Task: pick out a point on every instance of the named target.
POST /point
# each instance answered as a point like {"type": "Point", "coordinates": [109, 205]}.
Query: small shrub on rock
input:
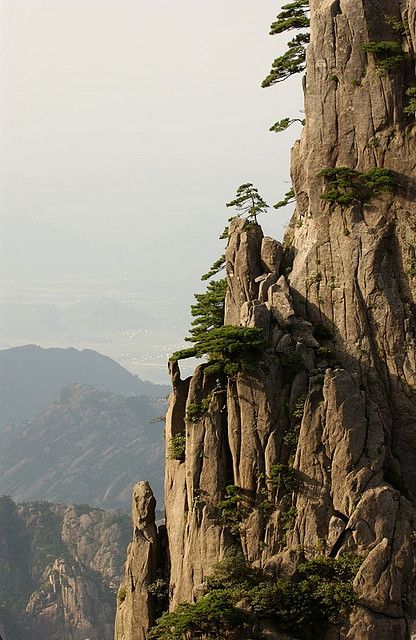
{"type": "Point", "coordinates": [212, 616]}
{"type": "Point", "coordinates": [292, 363]}
{"type": "Point", "coordinates": [320, 591]}
{"type": "Point", "coordinates": [410, 107]}
{"type": "Point", "coordinates": [176, 449]}
{"type": "Point", "coordinates": [282, 477]}
{"type": "Point", "coordinates": [388, 53]}
{"type": "Point", "coordinates": [232, 513]}
{"type": "Point", "coordinates": [121, 595]}
{"type": "Point", "coordinates": [197, 410]}
{"type": "Point", "coordinates": [345, 186]}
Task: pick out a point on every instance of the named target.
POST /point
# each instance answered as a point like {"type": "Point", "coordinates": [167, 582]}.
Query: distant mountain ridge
{"type": "Point", "coordinates": [87, 446]}
{"type": "Point", "coordinates": [31, 377]}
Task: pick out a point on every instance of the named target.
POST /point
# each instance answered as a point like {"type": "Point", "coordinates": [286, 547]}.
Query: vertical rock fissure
{"type": "Point", "coordinates": [337, 475]}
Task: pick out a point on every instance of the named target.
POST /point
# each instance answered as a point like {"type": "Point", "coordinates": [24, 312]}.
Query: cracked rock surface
{"type": "Point", "coordinates": [333, 394]}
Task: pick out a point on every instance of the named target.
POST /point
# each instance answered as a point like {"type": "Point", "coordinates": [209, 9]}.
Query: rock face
{"type": "Point", "coordinates": [136, 603]}
{"type": "Point", "coordinates": [333, 395]}
{"type": "Point", "coordinates": [60, 569]}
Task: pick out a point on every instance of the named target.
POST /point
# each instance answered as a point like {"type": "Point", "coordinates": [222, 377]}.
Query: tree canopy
{"type": "Point", "coordinates": [293, 16]}
{"type": "Point", "coordinates": [248, 202]}
{"type": "Point", "coordinates": [208, 309]}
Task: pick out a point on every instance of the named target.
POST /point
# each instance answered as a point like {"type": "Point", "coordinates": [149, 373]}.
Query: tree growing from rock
{"type": "Point", "coordinates": [294, 16]}
{"type": "Point", "coordinates": [247, 202]}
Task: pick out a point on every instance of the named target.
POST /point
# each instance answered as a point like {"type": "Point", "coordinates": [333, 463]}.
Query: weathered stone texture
{"type": "Point", "coordinates": [135, 611]}
{"type": "Point", "coordinates": [345, 418]}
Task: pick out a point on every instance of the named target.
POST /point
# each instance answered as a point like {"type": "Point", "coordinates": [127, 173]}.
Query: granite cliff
{"type": "Point", "coordinates": [60, 567]}
{"type": "Point", "coordinates": [306, 462]}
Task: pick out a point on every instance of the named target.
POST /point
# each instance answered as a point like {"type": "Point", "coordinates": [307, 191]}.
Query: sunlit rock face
{"type": "Point", "coordinates": [333, 392]}
{"type": "Point", "coordinates": [61, 567]}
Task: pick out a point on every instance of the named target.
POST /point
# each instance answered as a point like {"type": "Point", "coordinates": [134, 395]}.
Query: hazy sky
{"type": "Point", "coordinates": [127, 124]}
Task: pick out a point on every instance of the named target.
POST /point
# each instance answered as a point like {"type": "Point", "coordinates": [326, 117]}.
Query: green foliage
{"type": "Point", "coordinates": [208, 310]}
{"type": "Point", "coordinates": [291, 62]}
{"type": "Point", "coordinates": [288, 199]}
{"type": "Point", "coordinates": [264, 504]}
{"type": "Point", "coordinates": [388, 53]}
{"type": "Point", "coordinates": [159, 590]}
{"type": "Point", "coordinates": [284, 124]}
{"type": "Point", "coordinates": [121, 594]}
{"type": "Point", "coordinates": [195, 410]}
{"type": "Point", "coordinates": [283, 478]}
{"type": "Point", "coordinates": [395, 24]}
{"type": "Point", "coordinates": [233, 573]}
{"type": "Point", "coordinates": [212, 616]}
{"type": "Point", "coordinates": [287, 518]}
{"type": "Point", "coordinates": [232, 513]}
{"type": "Point", "coordinates": [291, 436]}
{"type": "Point", "coordinates": [208, 313]}
{"type": "Point", "coordinates": [176, 449]}
{"type": "Point", "coordinates": [230, 349]}
{"type": "Point", "coordinates": [346, 186]}
{"type": "Point", "coordinates": [292, 363]}
{"type": "Point", "coordinates": [225, 233]}
{"type": "Point", "coordinates": [379, 179]}
{"type": "Point", "coordinates": [343, 185]}
{"type": "Point", "coordinates": [182, 354]}
{"type": "Point", "coordinates": [248, 202]}
{"type": "Point", "coordinates": [216, 267]}
{"type": "Point", "coordinates": [410, 107]}
{"type": "Point", "coordinates": [292, 16]}
{"type": "Point", "coordinates": [321, 591]}
{"type": "Point", "coordinates": [299, 408]}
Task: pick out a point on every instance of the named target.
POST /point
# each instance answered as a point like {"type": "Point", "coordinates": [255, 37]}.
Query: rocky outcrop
{"type": "Point", "coordinates": [60, 567]}
{"type": "Point", "coordinates": [73, 603]}
{"type": "Point", "coordinates": [332, 399]}
{"type": "Point", "coordinates": [136, 603]}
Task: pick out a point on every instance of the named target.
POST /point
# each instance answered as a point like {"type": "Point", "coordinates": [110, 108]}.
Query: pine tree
{"type": "Point", "coordinates": [293, 16]}
{"type": "Point", "coordinates": [208, 310]}
{"type": "Point", "coordinates": [248, 202]}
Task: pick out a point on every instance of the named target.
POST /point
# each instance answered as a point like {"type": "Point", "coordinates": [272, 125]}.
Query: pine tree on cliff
{"type": "Point", "coordinates": [248, 203]}
{"type": "Point", "coordinates": [294, 16]}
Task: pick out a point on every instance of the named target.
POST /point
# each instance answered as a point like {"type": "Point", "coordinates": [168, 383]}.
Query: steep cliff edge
{"type": "Point", "coordinates": [308, 460]}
